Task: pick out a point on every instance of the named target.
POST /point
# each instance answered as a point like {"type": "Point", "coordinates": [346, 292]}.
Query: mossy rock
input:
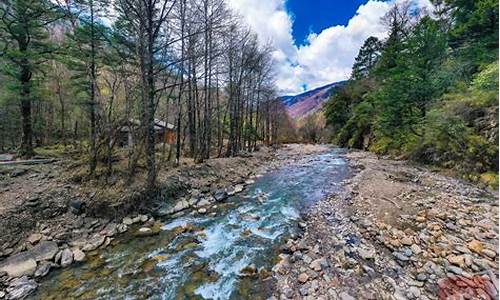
{"type": "Point", "coordinates": [490, 179]}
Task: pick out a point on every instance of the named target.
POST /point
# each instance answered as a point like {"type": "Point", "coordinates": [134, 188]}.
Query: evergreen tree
{"type": "Point", "coordinates": [86, 52]}
{"type": "Point", "coordinates": [367, 57]}
{"type": "Point", "coordinates": [24, 47]}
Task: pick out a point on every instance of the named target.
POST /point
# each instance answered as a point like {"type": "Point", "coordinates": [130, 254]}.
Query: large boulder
{"type": "Point", "coordinates": [21, 287]}
{"type": "Point", "coordinates": [24, 263]}
{"type": "Point", "coordinates": [18, 267]}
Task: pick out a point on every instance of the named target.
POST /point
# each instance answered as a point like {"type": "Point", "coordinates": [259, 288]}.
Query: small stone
{"type": "Point", "coordinates": [475, 246]}
{"type": "Point", "coordinates": [238, 188]}
{"type": "Point", "coordinates": [421, 277]}
{"type": "Point", "coordinates": [407, 241]}
{"type": "Point", "coordinates": [122, 228]}
{"type": "Point", "coordinates": [416, 249]}
{"type": "Point", "coordinates": [346, 296]}
{"type": "Point", "coordinates": [34, 238]}
{"type": "Point", "coordinates": [127, 221]}
{"type": "Point", "coordinates": [66, 257]}
{"type": "Point", "coordinates": [288, 292]}
{"type": "Point", "coordinates": [43, 268]}
{"type": "Point", "coordinates": [78, 255]}
{"type": "Point", "coordinates": [400, 256]}
{"type": "Point", "coordinates": [303, 277]}
{"type": "Point", "coordinates": [420, 219]}
{"type": "Point", "coordinates": [489, 253]}
{"type": "Point", "coordinates": [145, 231]}
{"type": "Point", "coordinates": [456, 260]}
{"type": "Point", "coordinates": [202, 210]}
{"type": "Point", "coordinates": [316, 265]}
{"type": "Point", "coordinates": [455, 270]}
{"type": "Point", "coordinates": [414, 292]}
{"type": "Point", "coordinates": [366, 253]}
{"type": "Point", "coordinates": [220, 195]}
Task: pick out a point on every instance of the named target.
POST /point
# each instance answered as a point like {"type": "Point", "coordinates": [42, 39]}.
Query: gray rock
{"type": "Point", "coordinates": [18, 267]}
{"type": "Point", "coordinates": [202, 210]}
{"type": "Point", "coordinates": [239, 188]}
{"type": "Point", "coordinates": [421, 277]}
{"type": "Point", "coordinates": [287, 292]}
{"type": "Point", "coordinates": [366, 253]}
{"type": "Point", "coordinates": [220, 195]}
{"type": "Point", "coordinates": [400, 256]}
{"type": "Point", "coordinates": [21, 287]}
{"type": "Point", "coordinates": [346, 296]}
{"type": "Point", "coordinates": [45, 250]}
{"type": "Point", "coordinates": [24, 263]}
{"type": "Point", "coordinates": [180, 205]}
{"type": "Point", "coordinates": [455, 270]}
{"type": "Point", "coordinates": [127, 221]}
{"type": "Point", "coordinates": [317, 264]}
{"type": "Point", "coordinates": [94, 242]}
{"type": "Point", "coordinates": [66, 257]}
{"type": "Point", "coordinates": [304, 291]}
{"type": "Point", "coordinates": [43, 268]}
{"type": "Point", "coordinates": [78, 255]}
{"type": "Point", "coordinates": [109, 230]}
{"type": "Point", "coordinates": [122, 228]}
{"type": "Point", "coordinates": [414, 292]}
{"type": "Point", "coordinates": [203, 202]}
{"type": "Point", "coordinates": [76, 206]}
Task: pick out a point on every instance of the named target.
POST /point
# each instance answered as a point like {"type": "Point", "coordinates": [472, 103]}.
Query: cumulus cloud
{"type": "Point", "coordinates": [326, 56]}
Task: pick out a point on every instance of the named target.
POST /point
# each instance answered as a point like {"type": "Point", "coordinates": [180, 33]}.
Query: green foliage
{"type": "Point", "coordinates": [367, 58]}
{"type": "Point", "coordinates": [432, 96]}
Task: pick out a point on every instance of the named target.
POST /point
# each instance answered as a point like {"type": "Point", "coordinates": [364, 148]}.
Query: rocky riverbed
{"type": "Point", "coordinates": [396, 232]}
{"type": "Point", "coordinates": [49, 222]}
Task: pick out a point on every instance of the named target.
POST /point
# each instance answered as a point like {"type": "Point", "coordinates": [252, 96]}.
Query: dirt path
{"type": "Point", "coordinates": [398, 232]}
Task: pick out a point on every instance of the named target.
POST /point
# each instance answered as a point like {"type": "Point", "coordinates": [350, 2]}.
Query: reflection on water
{"type": "Point", "coordinates": [202, 257]}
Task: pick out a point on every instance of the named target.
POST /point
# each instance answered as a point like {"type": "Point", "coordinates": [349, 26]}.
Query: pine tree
{"type": "Point", "coordinates": [367, 57]}
{"type": "Point", "coordinates": [86, 53]}
{"type": "Point", "coordinates": [24, 47]}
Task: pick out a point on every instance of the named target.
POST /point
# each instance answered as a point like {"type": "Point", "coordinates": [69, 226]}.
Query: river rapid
{"type": "Point", "coordinates": [227, 253]}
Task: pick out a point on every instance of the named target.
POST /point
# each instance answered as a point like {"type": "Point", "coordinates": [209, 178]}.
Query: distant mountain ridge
{"type": "Point", "coordinates": [302, 105]}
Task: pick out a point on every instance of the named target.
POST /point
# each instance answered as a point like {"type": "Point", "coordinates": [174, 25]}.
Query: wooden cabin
{"type": "Point", "coordinates": [164, 132]}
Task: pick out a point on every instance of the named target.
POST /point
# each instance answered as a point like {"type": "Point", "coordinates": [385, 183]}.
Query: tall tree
{"type": "Point", "coordinates": [86, 53]}
{"type": "Point", "coordinates": [24, 47]}
{"type": "Point", "coordinates": [367, 57]}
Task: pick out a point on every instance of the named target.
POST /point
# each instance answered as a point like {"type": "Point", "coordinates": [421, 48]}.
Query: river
{"type": "Point", "coordinates": [205, 256]}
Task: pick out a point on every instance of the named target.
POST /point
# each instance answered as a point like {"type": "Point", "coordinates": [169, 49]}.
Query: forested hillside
{"type": "Point", "coordinates": [429, 92]}
{"type": "Point", "coordinates": [169, 79]}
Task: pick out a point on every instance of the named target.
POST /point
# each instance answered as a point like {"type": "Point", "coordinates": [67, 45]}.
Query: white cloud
{"type": "Point", "coordinates": [327, 56]}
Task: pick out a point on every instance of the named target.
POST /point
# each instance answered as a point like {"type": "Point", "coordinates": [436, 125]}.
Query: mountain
{"type": "Point", "coordinates": [307, 103]}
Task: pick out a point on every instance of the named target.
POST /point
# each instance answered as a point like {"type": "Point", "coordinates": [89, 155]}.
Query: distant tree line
{"type": "Point", "coordinates": [74, 72]}
{"type": "Point", "coordinates": [429, 91]}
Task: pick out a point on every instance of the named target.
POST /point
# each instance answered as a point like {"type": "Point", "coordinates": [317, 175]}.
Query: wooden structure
{"type": "Point", "coordinates": [164, 132]}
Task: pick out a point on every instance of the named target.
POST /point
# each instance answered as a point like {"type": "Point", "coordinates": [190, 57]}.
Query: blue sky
{"type": "Point", "coordinates": [315, 41]}
{"type": "Point", "coordinates": [316, 15]}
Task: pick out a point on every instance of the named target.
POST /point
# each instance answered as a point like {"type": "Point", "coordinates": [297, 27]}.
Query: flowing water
{"type": "Point", "coordinates": [202, 256]}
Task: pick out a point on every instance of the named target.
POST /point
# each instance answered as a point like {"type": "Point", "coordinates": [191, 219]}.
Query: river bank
{"type": "Point", "coordinates": [396, 232]}
{"type": "Point", "coordinates": [48, 221]}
